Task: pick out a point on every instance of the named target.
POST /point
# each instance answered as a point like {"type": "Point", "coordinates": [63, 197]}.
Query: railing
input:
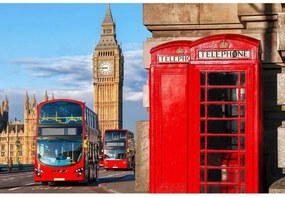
{"type": "Point", "coordinates": [16, 167]}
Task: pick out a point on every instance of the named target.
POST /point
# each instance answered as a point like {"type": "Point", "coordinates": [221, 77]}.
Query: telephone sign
{"type": "Point", "coordinates": [224, 54]}
{"type": "Point", "coordinates": [205, 116]}
{"type": "Point", "coordinates": [173, 59]}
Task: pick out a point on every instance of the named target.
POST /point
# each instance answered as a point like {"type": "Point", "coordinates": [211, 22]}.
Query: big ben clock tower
{"type": "Point", "coordinates": [108, 76]}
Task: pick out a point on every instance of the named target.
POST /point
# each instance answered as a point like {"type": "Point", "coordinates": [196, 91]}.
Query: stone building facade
{"type": "Point", "coordinates": [17, 138]}
{"type": "Point", "coordinates": [108, 76]}
{"type": "Point", "coordinates": [264, 22]}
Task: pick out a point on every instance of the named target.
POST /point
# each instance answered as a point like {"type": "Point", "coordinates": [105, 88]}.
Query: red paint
{"type": "Point", "coordinates": [119, 152]}
{"type": "Point", "coordinates": [116, 164]}
{"type": "Point", "coordinates": [205, 118]}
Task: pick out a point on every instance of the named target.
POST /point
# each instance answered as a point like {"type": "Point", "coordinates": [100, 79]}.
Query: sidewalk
{"type": "Point", "coordinates": [23, 168]}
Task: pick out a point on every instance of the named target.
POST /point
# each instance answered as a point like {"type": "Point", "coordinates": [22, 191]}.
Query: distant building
{"type": "Point", "coordinates": [16, 138]}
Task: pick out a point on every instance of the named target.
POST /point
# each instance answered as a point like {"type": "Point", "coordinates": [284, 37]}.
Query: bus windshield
{"type": "Point", "coordinates": [59, 152]}
{"type": "Point", "coordinates": [115, 154]}
{"type": "Point", "coordinates": [60, 113]}
{"type": "Point", "coordinates": [115, 150]}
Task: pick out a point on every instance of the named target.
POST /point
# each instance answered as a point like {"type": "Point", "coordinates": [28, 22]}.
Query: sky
{"type": "Point", "coordinates": [49, 47]}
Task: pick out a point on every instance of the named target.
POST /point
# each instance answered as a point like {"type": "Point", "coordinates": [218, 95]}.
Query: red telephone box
{"type": "Point", "coordinates": [205, 115]}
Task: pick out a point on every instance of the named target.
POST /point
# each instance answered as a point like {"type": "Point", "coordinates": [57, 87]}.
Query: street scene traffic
{"type": "Point", "coordinates": [107, 182]}
{"type": "Point", "coordinates": [142, 98]}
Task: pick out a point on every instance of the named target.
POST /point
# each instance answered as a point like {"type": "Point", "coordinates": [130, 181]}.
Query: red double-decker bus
{"type": "Point", "coordinates": [66, 142]}
{"type": "Point", "coordinates": [119, 149]}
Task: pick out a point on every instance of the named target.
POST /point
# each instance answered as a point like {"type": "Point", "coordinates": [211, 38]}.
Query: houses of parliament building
{"type": "Point", "coordinates": [16, 138]}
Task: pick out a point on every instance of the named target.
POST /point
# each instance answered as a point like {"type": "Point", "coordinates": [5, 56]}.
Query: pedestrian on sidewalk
{"type": "Point", "coordinates": [10, 164]}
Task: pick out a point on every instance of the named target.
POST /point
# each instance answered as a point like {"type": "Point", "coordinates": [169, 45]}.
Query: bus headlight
{"type": "Point", "coordinates": [79, 171]}
{"type": "Point", "coordinates": [39, 172]}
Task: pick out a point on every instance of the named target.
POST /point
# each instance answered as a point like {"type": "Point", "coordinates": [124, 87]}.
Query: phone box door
{"type": "Point", "coordinates": [168, 120]}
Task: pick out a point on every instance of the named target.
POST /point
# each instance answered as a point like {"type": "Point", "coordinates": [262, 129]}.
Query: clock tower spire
{"type": "Point", "coordinates": [108, 76]}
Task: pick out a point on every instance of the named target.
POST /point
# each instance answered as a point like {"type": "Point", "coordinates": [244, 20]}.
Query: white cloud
{"type": "Point", "coordinates": [75, 72]}
{"type": "Point", "coordinates": [134, 71]}
{"type": "Point", "coordinates": [83, 95]}
{"type": "Point", "coordinates": [135, 74]}
{"type": "Point", "coordinates": [14, 96]}
{"type": "Point", "coordinates": [71, 77]}
{"type": "Point", "coordinates": [132, 95]}
{"type": "Point", "coordinates": [65, 70]}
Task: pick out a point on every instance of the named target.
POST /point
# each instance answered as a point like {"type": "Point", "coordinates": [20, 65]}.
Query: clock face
{"type": "Point", "coordinates": [105, 68]}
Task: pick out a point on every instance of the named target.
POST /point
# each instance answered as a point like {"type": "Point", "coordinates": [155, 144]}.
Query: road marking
{"type": "Point", "coordinates": [8, 179]}
{"type": "Point", "coordinates": [68, 187]}
{"type": "Point", "coordinates": [114, 174]}
{"type": "Point", "coordinates": [30, 184]}
{"type": "Point", "coordinates": [18, 174]}
{"type": "Point", "coordinates": [14, 188]}
{"type": "Point", "coordinates": [107, 189]}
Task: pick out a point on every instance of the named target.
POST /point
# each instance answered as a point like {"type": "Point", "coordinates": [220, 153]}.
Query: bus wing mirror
{"type": "Point", "coordinates": [85, 144]}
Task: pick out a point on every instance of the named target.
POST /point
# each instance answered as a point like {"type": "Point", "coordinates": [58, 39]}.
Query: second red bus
{"type": "Point", "coordinates": [119, 149]}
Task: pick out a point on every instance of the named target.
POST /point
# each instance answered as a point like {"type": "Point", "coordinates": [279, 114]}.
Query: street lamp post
{"type": "Point", "coordinates": [18, 144]}
{"type": "Point", "coordinates": [8, 144]}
